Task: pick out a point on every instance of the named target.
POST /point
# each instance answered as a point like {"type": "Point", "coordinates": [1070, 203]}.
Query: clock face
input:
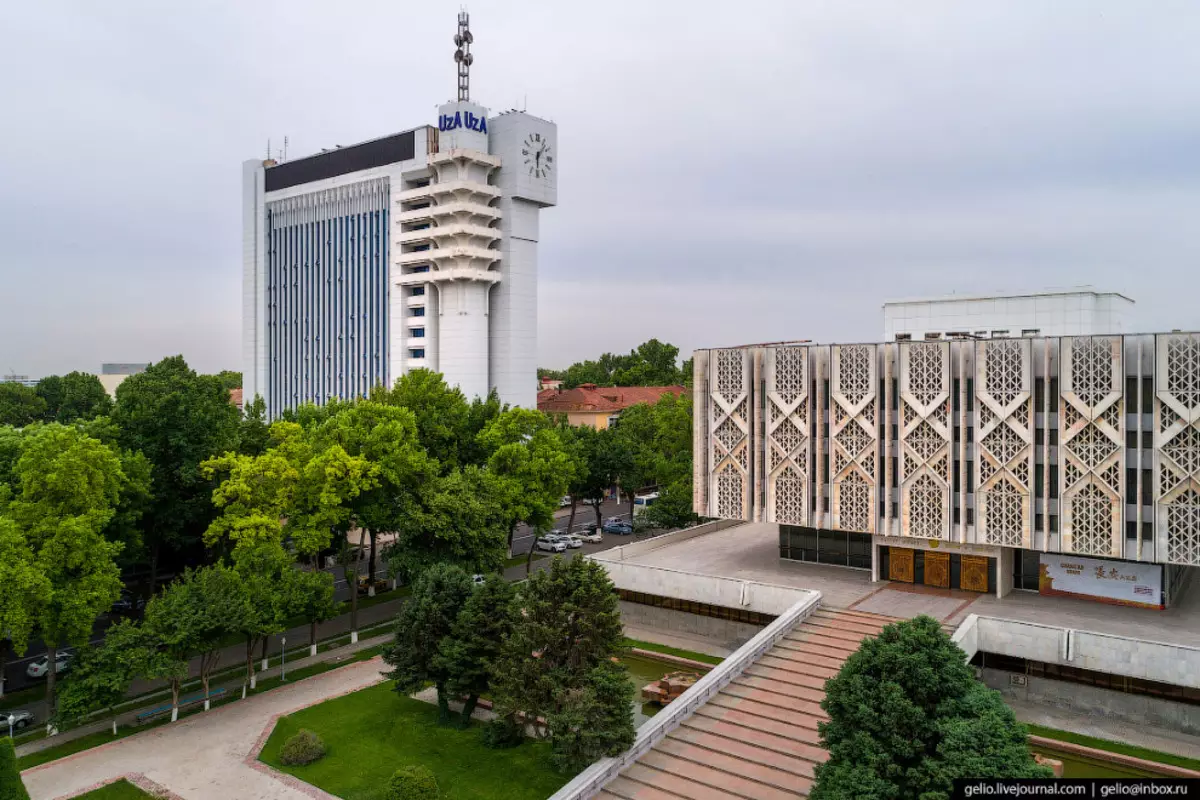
{"type": "Point", "coordinates": [538, 155]}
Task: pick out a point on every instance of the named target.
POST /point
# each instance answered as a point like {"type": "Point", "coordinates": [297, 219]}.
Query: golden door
{"type": "Point", "coordinates": [974, 574]}
{"type": "Point", "coordinates": [900, 564]}
{"type": "Point", "coordinates": [937, 569]}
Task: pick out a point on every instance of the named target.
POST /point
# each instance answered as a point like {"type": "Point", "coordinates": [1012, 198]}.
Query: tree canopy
{"type": "Point", "coordinates": [651, 363]}
{"type": "Point", "coordinates": [20, 405]}
{"type": "Point", "coordinates": [74, 396]}
{"type": "Point", "coordinates": [906, 717]}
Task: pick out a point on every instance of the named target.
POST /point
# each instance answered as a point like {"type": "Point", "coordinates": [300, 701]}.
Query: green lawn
{"type": "Point", "coordinates": [521, 559]}
{"type": "Point", "coordinates": [373, 732]}
{"type": "Point", "coordinates": [673, 651]}
{"type": "Point", "coordinates": [120, 790]}
{"type": "Point", "coordinates": [1115, 747]}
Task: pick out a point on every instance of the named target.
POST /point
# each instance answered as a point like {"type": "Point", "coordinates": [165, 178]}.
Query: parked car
{"type": "Point", "coordinates": [565, 501]}
{"type": "Point", "coordinates": [364, 586]}
{"type": "Point", "coordinates": [129, 604]}
{"type": "Point", "coordinates": [613, 519]}
{"type": "Point", "coordinates": [16, 719]}
{"type": "Point", "coordinates": [40, 666]}
{"type": "Point", "coordinates": [618, 527]}
{"type": "Point", "coordinates": [551, 543]}
{"type": "Point", "coordinates": [591, 537]}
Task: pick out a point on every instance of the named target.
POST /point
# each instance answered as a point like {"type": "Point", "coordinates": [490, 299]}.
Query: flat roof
{"type": "Point", "coordinates": [1006, 296]}
{"type": "Point", "coordinates": [342, 160]}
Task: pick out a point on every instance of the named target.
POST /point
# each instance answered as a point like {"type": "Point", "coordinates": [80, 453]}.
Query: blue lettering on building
{"type": "Point", "coordinates": [462, 119]}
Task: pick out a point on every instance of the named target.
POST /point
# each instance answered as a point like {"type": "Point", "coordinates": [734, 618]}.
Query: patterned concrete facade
{"type": "Point", "coordinates": [1086, 444]}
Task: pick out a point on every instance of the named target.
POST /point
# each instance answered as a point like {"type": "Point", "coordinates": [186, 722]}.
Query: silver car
{"type": "Point", "coordinates": [551, 543]}
{"type": "Point", "coordinates": [17, 720]}
{"type": "Point", "coordinates": [40, 666]}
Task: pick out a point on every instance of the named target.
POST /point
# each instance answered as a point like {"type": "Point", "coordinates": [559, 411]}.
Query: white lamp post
{"type": "Point", "coordinates": [11, 720]}
{"type": "Point", "coordinates": [283, 659]}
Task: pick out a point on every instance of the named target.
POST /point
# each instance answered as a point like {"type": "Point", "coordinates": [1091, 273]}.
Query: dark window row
{"type": "Point", "coordinates": [1118, 683]}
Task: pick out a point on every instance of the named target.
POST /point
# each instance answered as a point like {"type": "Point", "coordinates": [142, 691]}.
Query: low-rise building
{"type": "Point", "coordinates": [597, 406]}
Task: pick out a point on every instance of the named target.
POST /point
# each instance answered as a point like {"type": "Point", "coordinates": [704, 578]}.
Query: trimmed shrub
{"type": "Point", "coordinates": [412, 783]}
{"type": "Point", "coordinates": [11, 787]}
{"type": "Point", "coordinates": [303, 748]}
{"type": "Point", "coordinates": [503, 732]}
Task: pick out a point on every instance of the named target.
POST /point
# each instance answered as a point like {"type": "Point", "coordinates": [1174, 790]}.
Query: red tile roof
{"type": "Point", "coordinates": [235, 397]}
{"type": "Point", "coordinates": [589, 397]}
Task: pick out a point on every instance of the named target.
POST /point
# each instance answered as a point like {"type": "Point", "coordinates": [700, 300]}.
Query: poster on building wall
{"type": "Point", "coordinates": [1118, 582]}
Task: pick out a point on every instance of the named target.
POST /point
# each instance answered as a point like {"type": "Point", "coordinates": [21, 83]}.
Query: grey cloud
{"type": "Point", "coordinates": [729, 173]}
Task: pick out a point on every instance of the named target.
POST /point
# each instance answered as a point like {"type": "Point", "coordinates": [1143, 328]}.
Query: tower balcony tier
{"type": "Point", "coordinates": [452, 235]}
{"type": "Point", "coordinates": [446, 256]}
{"type": "Point", "coordinates": [461, 155]}
{"type": "Point", "coordinates": [448, 191]}
{"type": "Point", "coordinates": [448, 275]}
{"type": "Point", "coordinates": [453, 211]}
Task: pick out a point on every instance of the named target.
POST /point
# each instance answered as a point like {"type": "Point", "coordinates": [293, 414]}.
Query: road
{"type": "Point", "coordinates": [236, 654]}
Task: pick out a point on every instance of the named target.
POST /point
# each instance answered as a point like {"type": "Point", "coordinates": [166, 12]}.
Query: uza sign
{"type": "Point", "coordinates": [462, 119]}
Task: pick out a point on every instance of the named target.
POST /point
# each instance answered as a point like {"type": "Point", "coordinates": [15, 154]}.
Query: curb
{"type": "Point", "coordinates": [679, 661]}
{"type": "Point", "coordinates": [1113, 758]}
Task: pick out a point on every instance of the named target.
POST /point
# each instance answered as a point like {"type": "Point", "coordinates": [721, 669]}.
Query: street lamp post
{"type": "Point", "coordinates": [11, 719]}
{"type": "Point", "coordinates": [283, 659]}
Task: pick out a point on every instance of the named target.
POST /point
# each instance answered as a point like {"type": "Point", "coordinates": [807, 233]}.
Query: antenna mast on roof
{"type": "Point", "coordinates": [463, 57]}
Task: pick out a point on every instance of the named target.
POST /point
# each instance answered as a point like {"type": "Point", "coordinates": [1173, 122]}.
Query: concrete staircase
{"type": "Point", "coordinates": [756, 739]}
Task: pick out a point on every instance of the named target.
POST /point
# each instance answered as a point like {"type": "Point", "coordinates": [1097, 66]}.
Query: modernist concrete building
{"type": "Point", "coordinates": [418, 249]}
{"type": "Point", "coordinates": [1063, 312]}
{"type": "Point", "coordinates": [1067, 464]}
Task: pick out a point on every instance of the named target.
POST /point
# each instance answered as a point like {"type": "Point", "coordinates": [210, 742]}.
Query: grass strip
{"type": "Point", "coordinates": [1116, 747]}
{"type": "Point", "coordinates": [117, 790]}
{"type": "Point", "coordinates": [673, 651]}
{"type": "Point", "coordinates": [373, 732]}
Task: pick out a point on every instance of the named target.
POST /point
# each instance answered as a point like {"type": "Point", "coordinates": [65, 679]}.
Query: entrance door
{"type": "Point", "coordinates": [900, 564]}
{"type": "Point", "coordinates": [974, 576]}
{"type": "Point", "coordinates": [937, 569]}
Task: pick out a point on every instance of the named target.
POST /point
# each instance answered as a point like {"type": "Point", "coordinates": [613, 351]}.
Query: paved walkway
{"type": "Point", "coordinates": [209, 756]}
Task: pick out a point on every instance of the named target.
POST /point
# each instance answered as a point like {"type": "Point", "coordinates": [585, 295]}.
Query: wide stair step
{"type": "Point", "coordinates": [757, 738]}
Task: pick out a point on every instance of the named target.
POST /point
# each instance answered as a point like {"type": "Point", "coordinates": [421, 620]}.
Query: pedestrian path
{"type": "Point", "coordinates": [757, 739]}
{"type": "Point", "coordinates": [208, 756]}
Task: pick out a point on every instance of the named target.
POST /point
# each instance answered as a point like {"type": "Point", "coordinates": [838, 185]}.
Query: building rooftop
{"type": "Point", "coordinates": [590, 397]}
{"type": "Point", "coordinates": [946, 298]}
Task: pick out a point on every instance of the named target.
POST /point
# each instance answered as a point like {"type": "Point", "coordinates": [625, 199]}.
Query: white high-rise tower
{"type": "Point", "coordinates": [414, 250]}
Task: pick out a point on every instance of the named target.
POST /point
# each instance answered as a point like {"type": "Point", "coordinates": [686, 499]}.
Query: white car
{"type": "Point", "coordinates": [594, 537]}
{"type": "Point", "coordinates": [573, 541]}
{"type": "Point", "coordinates": [17, 720]}
{"type": "Point", "coordinates": [40, 666]}
{"type": "Point", "coordinates": [565, 501]}
{"type": "Point", "coordinates": [551, 543]}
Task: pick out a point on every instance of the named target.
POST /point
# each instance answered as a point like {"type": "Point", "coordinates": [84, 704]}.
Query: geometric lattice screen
{"type": "Point", "coordinates": [1091, 460]}
{"type": "Point", "coordinates": [729, 429]}
{"type": "Point", "coordinates": [1177, 445]}
{"type": "Point", "coordinates": [1003, 442]}
{"type": "Point", "coordinates": [785, 377]}
{"type": "Point", "coordinates": [853, 436]}
{"type": "Point", "coordinates": [925, 431]}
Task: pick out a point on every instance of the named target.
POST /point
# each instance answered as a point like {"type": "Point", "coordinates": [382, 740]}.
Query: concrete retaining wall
{"type": "Point", "coordinates": [763, 598]}
{"type": "Point", "coordinates": [729, 634]}
{"type": "Point", "coordinates": [1135, 709]}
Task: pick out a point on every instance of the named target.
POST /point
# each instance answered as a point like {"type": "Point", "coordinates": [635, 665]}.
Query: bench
{"type": "Point", "coordinates": [184, 702]}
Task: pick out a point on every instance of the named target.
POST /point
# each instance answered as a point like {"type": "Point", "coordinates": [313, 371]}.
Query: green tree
{"type": "Point", "coordinates": [135, 492]}
{"type": "Point", "coordinates": [466, 654]}
{"type": "Point", "coordinates": [653, 363]}
{"type": "Point", "coordinates": [67, 485]}
{"type": "Point", "coordinates": [425, 621]}
{"type": "Point", "coordinates": [22, 588]}
{"type": "Point", "coordinates": [20, 405]}
{"type": "Point", "coordinates": [263, 608]}
{"type": "Point", "coordinates": [254, 432]}
{"type": "Point", "coordinates": [230, 379]}
{"type": "Point", "coordinates": [178, 419]}
{"type": "Point", "coordinates": [74, 396]}
{"type": "Point", "coordinates": [609, 458]}
{"type": "Point", "coordinates": [593, 720]}
{"type": "Point", "coordinates": [525, 451]}
{"type": "Point", "coordinates": [11, 787]}
{"type": "Point", "coordinates": [441, 413]}
{"type": "Point", "coordinates": [659, 439]}
{"type": "Point", "coordinates": [906, 717]}
{"type": "Point", "coordinates": [102, 675]}
{"type": "Point", "coordinates": [310, 594]}
{"type": "Point", "coordinates": [568, 623]}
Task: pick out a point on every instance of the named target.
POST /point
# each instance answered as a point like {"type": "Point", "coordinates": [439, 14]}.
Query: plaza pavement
{"type": "Point", "coordinates": [208, 756]}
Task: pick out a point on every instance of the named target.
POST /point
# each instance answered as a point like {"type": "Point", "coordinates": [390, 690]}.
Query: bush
{"type": "Point", "coordinates": [412, 783]}
{"type": "Point", "coordinates": [503, 732]}
{"type": "Point", "coordinates": [303, 748]}
{"type": "Point", "coordinates": [11, 787]}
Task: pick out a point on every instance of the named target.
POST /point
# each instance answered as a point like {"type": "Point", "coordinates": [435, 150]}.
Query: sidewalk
{"type": "Point", "coordinates": [209, 756]}
{"type": "Point", "coordinates": [232, 686]}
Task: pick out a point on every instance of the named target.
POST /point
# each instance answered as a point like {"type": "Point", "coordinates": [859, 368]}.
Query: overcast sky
{"type": "Point", "coordinates": [730, 172]}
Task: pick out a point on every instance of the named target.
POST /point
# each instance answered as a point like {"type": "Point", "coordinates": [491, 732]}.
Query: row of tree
{"type": "Point", "coordinates": [651, 363]}
{"type": "Point", "coordinates": [545, 652]}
